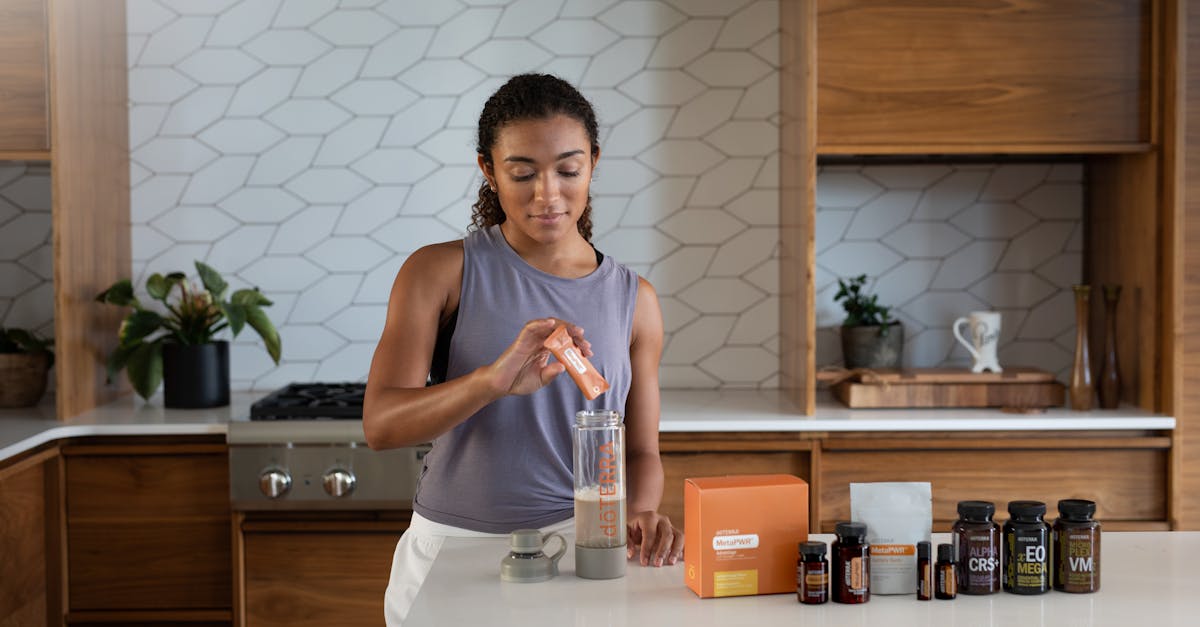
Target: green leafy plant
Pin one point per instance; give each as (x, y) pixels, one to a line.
(194, 315)
(22, 341)
(862, 309)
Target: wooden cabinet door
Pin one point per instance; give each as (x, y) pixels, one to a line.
(24, 101)
(23, 581)
(912, 76)
(148, 528)
(316, 579)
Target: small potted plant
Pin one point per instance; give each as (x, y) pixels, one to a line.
(179, 348)
(25, 358)
(871, 338)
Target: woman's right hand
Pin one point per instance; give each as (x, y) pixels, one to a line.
(525, 366)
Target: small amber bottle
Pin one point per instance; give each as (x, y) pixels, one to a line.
(1076, 547)
(851, 564)
(812, 574)
(924, 572)
(947, 578)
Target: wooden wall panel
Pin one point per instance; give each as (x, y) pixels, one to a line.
(1123, 248)
(23, 79)
(90, 178)
(1127, 484)
(916, 76)
(797, 201)
(317, 579)
(1187, 307)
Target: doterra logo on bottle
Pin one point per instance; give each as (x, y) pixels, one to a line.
(608, 487)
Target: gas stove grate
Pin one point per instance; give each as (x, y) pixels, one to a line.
(312, 401)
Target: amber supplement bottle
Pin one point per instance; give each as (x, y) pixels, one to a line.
(812, 574)
(1026, 548)
(976, 540)
(851, 563)
(1076, 547)
(924, 572)
(947, 574)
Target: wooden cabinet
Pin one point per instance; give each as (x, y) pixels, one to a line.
(306, 572)
(148, 532)
(24, 99)
(27, 541)
(1051, 76)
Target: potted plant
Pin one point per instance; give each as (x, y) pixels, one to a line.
(25, 358)
(178, 348)
(871, 338)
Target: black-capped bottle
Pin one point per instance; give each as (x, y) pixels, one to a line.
(1076, 547)
(1026, 548)
(812, 574)
(976, 540)
(924, 572)
(946, 586)
(851, 564)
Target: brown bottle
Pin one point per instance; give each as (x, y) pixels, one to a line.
(976, 539)
(947, 575)
(1110, 373)
(851, 564)
(812, 574)
(924, 572)
(1076, 547)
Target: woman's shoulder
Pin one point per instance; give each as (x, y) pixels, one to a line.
(432, 256)
(432, 265)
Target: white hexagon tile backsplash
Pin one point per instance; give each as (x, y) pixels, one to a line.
(308, 146)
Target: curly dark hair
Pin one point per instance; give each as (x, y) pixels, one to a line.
(529, 97)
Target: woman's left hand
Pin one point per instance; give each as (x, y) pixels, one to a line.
(654, 537)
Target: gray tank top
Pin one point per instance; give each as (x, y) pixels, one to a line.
(509, 466)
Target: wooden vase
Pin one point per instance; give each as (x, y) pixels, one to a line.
(1110, 372)
(1082, 389)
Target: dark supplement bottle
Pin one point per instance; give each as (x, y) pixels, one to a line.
(976, 539)
(1026, 548)
(1076, 547)
(924, 572)
(947, 574)
(851, 563)
(812, 574)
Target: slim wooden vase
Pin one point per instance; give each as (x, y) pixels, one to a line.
(1110, 373)
(1082, 390)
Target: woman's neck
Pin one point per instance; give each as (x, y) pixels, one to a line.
(570, 257)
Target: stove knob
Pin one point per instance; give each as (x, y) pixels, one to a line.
(338, 482)
(274, 482)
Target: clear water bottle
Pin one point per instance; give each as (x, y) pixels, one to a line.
(599, 445)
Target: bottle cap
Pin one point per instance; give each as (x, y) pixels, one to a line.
(851, 530)
(923, 550)
(976, 510)
(1076, 509)
(525, 541)
(946, 553)
(813, 547)
(1026, 509)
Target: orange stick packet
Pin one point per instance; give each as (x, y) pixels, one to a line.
(589, 380)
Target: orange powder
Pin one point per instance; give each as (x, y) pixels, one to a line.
(581, 370)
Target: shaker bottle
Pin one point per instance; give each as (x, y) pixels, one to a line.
(599, 447)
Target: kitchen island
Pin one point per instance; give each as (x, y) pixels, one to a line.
(1148, 578)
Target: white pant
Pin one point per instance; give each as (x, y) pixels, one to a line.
(414, 556)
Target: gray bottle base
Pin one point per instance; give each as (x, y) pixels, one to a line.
(606, 563)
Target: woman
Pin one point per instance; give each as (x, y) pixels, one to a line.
(500, 418)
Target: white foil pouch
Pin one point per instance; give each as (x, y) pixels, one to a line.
(898, 515)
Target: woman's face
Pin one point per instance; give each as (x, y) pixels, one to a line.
(541, 170)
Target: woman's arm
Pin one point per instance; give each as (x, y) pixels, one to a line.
(651, 534)
(398, 410)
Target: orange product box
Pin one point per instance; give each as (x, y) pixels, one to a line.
(741, 533)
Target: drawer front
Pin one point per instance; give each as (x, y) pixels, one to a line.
(1126, 484)
(125, 487)
(171, 564)
(316, 579)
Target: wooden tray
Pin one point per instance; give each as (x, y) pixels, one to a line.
(1016, 388)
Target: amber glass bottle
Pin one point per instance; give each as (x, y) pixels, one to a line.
(924, 572)
(851, 564)
(1076, 547)
(1026, 548)
(976, 539)
(947, 574)
(812, 574)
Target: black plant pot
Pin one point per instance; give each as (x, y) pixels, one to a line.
(195, 376)
(866, 347)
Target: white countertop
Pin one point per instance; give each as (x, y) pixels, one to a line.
(682, 411)
(1147, 579)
